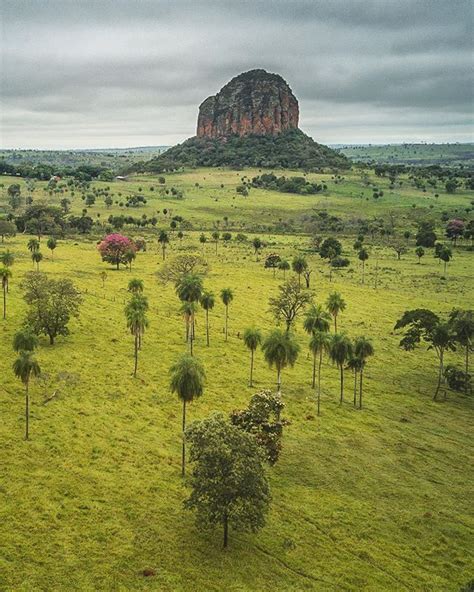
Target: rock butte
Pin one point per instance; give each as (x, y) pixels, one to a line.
(252, 103)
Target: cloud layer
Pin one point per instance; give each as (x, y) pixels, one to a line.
(129, 73)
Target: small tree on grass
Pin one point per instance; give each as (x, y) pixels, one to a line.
(419, 251)
(215, 237)
(252, 339)
(24, 367)
(135, 286)
(463, 325)
(363, 256)
(187, 381)
(363, 349)
(164, 240)
(189, 289)
(33, 245)
(36, 257)
(5, 275)
(229, 486)
(290, 302)
(226, 296)
(52, 244)
(445, 255)
(114, 249)
(257, 246)
(52, 304)
(319, 344)
(340, 352)
(422, 324)
(335, 305)
(207, 302)
(299, 266)
(135, 314)
(280, 350)
(284, 266)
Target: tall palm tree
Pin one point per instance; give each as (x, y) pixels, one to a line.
(187, 381)
(355, 364)
(319, 344)
(463, 324)
(335, 305)
(340, 352)
(316, 319)
(226, 296)
(284, 266)
(207, 302)
(135, 314)
(363, 349)
(52, 244)
(5, 275)
(24, 340)
(215, 237)
(164, 240)
(252, 339)
(36, 257)
(7, 258)
(24, 367)
(299, 265)
(188, 309)
(135, 286)
(189, 289)
(33, 245)
(280, 350)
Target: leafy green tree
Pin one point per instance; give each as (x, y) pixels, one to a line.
(229, 486)
(335, 305)
(226, 296)
(24, 367)
(330, 248)
(252, 339)
(340, 351)
(37, 257)
(419, 251)
(207, 302)
(445, 255)
(164, 240)
(52, 303)
(422, 324)
(363, 256)
(290, 302)
(187, 379)
(280, 350)
(319, 344)
(463, 325)
(137, 322)
(5, 275)
(363, 349)
(299, 265)
(184, 264)
(52, 244)
(262, 420)
(257, 246)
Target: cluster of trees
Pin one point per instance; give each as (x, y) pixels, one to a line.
(287, 184)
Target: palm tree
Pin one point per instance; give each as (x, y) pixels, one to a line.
(52, 244)
(299, 265)
(363, 349)
(355, 364)
(24, 367)
(226, 296)
(5, 275)
(137, 322)
(25, 341)
(33, 245)
(215, 237)
(252, 339)
(442, 339)
(7, 259)
(188, 309)
(340, 352)
(363, 256)
(319, 344)
(284, 266)
(187, 380)
(316, 319)
(335, 304)
(164, 240)
(36, 256)
(280, 350)
(189, 289)
(135, 286)
(207, 302)
(463, 324)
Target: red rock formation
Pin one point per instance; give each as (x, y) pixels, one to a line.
(255, 102)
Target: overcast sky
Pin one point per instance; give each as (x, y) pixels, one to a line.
(118, 73)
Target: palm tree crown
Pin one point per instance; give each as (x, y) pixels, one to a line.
(316, 319)
(187, 378)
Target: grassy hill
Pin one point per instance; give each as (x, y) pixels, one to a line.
(376, 500)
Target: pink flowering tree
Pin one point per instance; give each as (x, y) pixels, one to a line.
(114, 249)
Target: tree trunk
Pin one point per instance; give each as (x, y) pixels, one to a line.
(226, 320)
(51, 340)
(314, 370)
(319, 381)
(118, 263)
(226, 530)
(163, 248)
(355, 388)
(335, 323)
(360, 388)
(27, 412)
(183, 452)
(4, 301)
(251, 368)
(440, 374)
(342, 384)
(363, 272)
(136, 355)
(207, 328)
(467, 365)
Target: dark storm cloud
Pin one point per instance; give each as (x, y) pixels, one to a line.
(133, 72)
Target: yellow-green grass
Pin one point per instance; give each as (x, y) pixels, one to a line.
(376, 500)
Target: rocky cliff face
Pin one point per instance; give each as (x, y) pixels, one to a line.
(253, 103)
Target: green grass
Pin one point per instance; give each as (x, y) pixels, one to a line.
(376, 500)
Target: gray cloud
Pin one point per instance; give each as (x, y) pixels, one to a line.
(122, 73)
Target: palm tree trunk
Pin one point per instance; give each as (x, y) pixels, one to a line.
(183, 452)
(314, 370)
(467, 366)
(342, 384)
(355, 388)
(27, 412)
(360, 388)
(226, 320)
(4, 301)
(207, 327)
(440, 375)
(335, 323)
(319, 381)
(226, 530)
(163, 248)
(251, 368)
(136, 356)
(363, 272)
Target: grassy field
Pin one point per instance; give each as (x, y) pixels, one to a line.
(418, 154)
(374, 500)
